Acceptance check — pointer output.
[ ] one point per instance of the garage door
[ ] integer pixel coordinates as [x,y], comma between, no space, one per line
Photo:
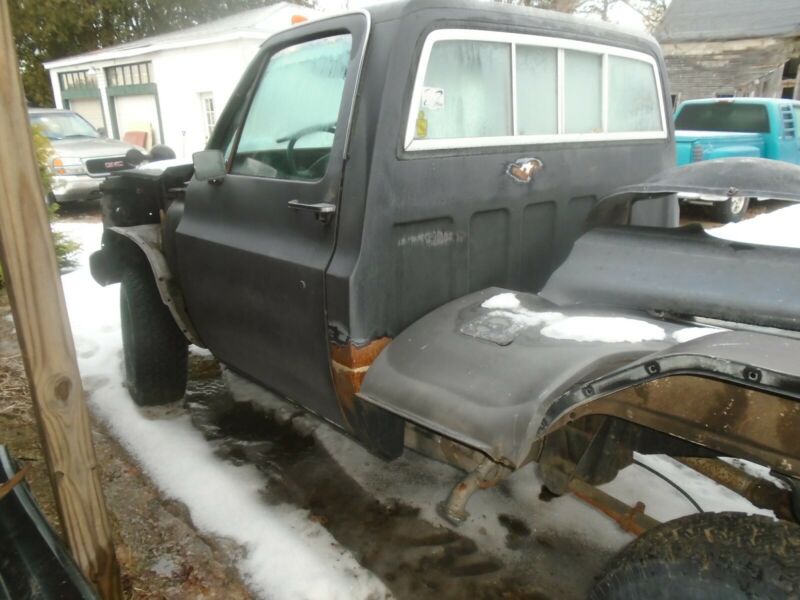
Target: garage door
[90,109]
[137,115]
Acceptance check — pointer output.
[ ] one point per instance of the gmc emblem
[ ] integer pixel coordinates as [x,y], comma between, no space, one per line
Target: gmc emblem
[114,164]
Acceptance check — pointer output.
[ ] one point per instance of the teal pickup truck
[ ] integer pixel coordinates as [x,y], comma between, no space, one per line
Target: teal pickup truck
[736,127]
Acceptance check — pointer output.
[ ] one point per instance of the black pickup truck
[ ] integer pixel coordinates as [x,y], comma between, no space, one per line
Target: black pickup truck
[452,227]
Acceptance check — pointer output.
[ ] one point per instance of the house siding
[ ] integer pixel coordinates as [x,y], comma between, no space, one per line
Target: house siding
[740,67]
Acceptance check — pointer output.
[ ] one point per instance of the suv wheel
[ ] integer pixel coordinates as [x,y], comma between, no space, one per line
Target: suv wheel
[155,350]
[708,556]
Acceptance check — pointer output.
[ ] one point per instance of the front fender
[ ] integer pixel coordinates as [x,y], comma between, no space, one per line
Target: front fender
[124,245]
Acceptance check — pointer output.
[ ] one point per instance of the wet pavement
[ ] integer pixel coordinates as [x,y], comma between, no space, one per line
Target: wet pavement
[415,557]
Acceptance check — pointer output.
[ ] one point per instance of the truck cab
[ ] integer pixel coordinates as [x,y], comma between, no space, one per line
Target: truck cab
[451,227]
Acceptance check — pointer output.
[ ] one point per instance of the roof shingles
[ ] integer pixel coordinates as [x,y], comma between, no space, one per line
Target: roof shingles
[707,20]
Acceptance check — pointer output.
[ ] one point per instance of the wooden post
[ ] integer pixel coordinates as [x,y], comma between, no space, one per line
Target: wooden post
[40,315]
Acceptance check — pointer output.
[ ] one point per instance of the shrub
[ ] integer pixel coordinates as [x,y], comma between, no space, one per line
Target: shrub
[65,248]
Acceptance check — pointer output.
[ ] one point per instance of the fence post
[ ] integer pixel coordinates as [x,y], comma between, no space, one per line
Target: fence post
[40,316]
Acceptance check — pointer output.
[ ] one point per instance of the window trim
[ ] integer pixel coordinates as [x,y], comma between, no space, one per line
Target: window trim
[514,39]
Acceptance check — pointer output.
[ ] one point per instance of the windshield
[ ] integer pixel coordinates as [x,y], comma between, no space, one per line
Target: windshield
[723,116]
[58,126]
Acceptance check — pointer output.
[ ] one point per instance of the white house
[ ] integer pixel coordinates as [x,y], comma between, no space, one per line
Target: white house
[168,88]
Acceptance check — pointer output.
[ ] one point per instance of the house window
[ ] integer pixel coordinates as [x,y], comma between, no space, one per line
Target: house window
[133,74]
[484,88]
[77,80]
[209,115]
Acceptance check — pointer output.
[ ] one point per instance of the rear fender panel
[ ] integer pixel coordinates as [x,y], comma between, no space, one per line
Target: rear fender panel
[717,180]
[490,379]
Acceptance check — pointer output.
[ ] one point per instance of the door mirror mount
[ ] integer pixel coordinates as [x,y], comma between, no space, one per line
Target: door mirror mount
[209,165]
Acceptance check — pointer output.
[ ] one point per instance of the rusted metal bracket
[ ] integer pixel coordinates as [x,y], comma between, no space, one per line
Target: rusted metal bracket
[760,492]
[7,486]
[487,474]
[631,518]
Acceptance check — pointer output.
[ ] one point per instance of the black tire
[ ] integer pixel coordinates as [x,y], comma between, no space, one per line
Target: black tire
[155,350]
[708,556]
[732,210]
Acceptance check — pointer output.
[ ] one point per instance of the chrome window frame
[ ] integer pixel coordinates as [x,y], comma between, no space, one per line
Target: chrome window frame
[413,144]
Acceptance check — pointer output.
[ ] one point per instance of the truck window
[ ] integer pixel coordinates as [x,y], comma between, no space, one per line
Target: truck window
[485,88]
[477,77]
[537,90]
[289,129]
[583,85]
[632,100]
[724,116]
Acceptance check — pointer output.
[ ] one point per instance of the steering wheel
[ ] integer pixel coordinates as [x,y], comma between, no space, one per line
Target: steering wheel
[295,137]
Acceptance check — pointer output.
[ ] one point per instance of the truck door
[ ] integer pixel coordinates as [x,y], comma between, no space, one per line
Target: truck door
[253,247]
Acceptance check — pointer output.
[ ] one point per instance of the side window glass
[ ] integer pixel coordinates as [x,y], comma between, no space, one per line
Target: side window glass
[632,96]
[289,130]
[537,90]
[466,92]
[583,90]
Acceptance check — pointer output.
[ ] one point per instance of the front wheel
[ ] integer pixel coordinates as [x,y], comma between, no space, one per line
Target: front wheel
[155,350]
[708,556]
[731,210]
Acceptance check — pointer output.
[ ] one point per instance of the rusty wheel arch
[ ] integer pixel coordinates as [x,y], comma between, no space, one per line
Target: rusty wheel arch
[726,417]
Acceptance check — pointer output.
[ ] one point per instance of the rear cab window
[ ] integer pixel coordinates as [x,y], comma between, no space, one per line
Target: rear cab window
[723,116]
[482,88]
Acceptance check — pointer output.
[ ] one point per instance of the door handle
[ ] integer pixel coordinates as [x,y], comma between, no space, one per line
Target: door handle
[322,211]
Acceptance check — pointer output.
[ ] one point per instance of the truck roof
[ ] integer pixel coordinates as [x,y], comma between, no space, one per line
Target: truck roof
[514,17]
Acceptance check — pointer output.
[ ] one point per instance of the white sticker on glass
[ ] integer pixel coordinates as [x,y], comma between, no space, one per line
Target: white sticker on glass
[432,98]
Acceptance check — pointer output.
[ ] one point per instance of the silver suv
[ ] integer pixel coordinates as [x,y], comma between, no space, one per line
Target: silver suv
[82,156]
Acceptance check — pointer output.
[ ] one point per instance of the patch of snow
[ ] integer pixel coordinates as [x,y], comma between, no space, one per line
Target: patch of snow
[522,318]
[9,317]
[664,502]
[687,334]
[508,301]
[604,329]
[287,556]
[778,228]
[198,351]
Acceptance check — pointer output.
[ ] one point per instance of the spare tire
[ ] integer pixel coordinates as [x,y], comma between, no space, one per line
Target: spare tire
[708,556]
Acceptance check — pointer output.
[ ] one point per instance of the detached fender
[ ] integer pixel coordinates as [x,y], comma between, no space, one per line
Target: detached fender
[122,246]
[715,180]
[498,371]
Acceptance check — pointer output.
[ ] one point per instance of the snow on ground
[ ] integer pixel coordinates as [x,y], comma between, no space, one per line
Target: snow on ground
[778,228]
[285,554]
